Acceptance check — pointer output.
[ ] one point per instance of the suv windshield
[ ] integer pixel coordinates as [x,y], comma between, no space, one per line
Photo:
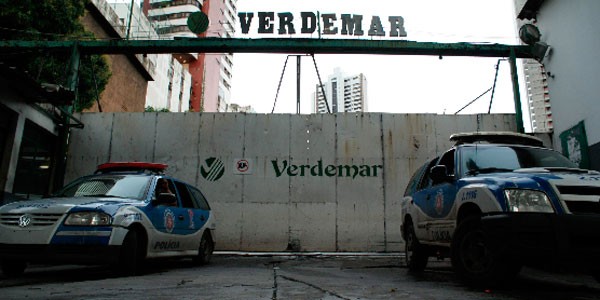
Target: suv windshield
[482,159]
[120,186]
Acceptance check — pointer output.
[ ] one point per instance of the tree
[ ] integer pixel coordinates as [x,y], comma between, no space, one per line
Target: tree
[152,109]
[56,20]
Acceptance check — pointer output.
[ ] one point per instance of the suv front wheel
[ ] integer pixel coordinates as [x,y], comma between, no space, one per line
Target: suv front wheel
[472,258]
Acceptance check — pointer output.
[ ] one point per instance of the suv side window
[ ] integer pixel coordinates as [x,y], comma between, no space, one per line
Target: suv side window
[184,195]
[414,180]
[200,199]
[448,161]
[426,179]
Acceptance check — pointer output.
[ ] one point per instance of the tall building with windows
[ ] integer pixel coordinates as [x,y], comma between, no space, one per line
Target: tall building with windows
[342,94]
[536,81]
[211,72]
[538,96]
[170,87]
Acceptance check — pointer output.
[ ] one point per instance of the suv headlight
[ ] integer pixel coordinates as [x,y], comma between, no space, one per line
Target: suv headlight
[521,200]
[88,218]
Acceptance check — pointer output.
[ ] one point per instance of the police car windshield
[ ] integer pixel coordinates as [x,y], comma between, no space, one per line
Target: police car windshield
[118,186]
[486,159]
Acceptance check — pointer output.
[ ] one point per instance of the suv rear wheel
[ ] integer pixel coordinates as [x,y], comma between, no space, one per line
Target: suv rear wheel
[416,254]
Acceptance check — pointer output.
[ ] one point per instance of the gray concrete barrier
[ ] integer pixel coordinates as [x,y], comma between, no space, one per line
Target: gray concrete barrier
[284,182]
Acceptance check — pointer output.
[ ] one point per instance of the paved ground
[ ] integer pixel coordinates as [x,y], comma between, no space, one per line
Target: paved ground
[285,277]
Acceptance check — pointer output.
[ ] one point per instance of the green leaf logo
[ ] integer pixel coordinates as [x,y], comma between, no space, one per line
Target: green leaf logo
[213,169]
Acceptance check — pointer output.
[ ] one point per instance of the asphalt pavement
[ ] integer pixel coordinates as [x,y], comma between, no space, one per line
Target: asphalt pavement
[234,275]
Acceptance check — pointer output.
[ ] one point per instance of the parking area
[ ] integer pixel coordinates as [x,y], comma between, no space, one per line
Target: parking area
[286,276]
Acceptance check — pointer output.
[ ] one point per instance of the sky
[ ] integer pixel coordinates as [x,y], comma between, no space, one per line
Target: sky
[396,83]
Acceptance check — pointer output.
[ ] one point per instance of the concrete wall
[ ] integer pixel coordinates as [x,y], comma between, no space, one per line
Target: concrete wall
[312,205]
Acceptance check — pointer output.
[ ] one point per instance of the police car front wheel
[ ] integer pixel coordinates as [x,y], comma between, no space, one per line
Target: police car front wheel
[130,256]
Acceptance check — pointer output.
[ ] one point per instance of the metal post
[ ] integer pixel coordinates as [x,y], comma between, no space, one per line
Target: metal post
[129,21]
[64,130]
[517,95]
[298,84]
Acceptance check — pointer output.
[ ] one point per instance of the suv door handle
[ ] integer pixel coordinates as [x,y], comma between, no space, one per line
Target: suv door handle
[180,217]
[202,218]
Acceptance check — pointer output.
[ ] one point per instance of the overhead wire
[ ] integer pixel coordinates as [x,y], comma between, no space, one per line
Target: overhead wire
[280,80]
[473,100]
[321,83]
[494,86]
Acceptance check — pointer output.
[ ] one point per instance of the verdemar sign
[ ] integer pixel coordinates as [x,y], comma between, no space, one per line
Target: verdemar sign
[213,169]
[347,24]
[320,170]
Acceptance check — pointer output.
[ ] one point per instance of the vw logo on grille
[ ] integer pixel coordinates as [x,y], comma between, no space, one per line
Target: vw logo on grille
[24,220]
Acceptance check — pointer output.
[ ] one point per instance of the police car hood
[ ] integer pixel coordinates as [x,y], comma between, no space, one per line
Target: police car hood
[533,177]
[63,205]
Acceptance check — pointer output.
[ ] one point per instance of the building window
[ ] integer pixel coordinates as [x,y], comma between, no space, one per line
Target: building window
[36,161]
[8,119]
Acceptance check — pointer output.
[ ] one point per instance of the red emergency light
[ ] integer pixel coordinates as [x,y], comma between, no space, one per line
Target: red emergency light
[131,166]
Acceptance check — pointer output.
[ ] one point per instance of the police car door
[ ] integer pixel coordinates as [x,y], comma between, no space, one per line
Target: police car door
[421,198]
[441,196]
[192,219]
[169,222]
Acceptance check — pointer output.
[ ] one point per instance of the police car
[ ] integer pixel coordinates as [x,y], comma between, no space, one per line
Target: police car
[118,216]
[497,201]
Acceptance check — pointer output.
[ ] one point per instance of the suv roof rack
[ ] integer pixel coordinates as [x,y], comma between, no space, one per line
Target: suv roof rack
[500,137]
[131,166]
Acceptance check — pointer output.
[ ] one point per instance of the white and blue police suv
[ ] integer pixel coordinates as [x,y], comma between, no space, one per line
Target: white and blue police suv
[118,216]
[497,201]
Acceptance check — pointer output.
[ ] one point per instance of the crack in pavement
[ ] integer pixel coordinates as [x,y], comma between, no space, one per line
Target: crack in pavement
[275,268]
[314,286]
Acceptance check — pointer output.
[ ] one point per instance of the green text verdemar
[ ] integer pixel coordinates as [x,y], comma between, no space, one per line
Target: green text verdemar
[319,169]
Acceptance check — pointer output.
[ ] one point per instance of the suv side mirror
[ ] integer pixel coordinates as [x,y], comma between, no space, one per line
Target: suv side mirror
[439,173]
[165,199]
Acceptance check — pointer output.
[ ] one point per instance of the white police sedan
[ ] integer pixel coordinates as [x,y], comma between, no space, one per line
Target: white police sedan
[117,216]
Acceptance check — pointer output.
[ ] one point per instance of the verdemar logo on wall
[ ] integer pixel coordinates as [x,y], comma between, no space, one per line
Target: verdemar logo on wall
[319,169]
[213,169]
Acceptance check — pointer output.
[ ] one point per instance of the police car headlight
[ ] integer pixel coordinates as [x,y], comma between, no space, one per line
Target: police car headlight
[520,200]
[88,218]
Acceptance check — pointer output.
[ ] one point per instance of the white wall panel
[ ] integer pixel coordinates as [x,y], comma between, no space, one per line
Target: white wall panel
[133,136]
[267,140]
[89,147]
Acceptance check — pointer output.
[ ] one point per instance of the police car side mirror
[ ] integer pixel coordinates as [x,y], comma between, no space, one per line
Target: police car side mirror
[439,173]
[165,199]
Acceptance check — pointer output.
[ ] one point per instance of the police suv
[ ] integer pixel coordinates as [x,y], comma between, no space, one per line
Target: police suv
[117,216]
[497,201]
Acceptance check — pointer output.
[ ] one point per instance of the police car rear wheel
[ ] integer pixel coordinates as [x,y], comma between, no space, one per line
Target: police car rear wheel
[13,268]
[416,254]
[205,250]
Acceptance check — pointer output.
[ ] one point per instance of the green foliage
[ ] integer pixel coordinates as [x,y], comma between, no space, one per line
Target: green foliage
[53,20]
[152,109]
